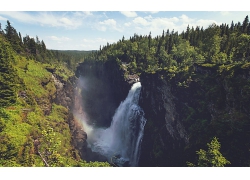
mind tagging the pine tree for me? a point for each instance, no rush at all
(212, 157)
(8, 77)
(245, 25)
(187, 34)
(1, 31)
(232, 26)
(12, 36)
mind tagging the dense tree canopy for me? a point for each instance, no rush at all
(217, 44)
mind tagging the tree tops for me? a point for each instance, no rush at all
(217, 44)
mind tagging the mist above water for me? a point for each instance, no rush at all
(120, 142)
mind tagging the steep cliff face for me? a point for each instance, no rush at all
(65, 96)
(103, 87)
(164, 136)
(185, 111)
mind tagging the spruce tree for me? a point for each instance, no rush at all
(245, 24)
(7, 77)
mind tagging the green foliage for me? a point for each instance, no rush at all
(27, 111)
(50, 143)
(8, 75)
(211, 46)
(212, 157)
(93, 164)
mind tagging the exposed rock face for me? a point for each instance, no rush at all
(184, 112)
(164, 136)
(64, 91)
(65, 97)
(79, 137)
(103, 87)
(131, 79)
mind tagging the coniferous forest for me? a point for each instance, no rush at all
(208, 69)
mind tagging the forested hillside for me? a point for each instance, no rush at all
(195, 87)
(195, 95)
(35, 121)
(174, 51)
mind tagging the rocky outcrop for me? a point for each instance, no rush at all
(164, 136)
(64, 91)
(79, 136)
(184, 112)
(103, 87)
(131, 79)
(65, 96)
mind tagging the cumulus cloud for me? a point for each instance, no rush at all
(108, 24)
(129, 13)
(140, 21)
(155, 25)
(206, 22)
(148, 17)
(185, 19)
(45, 19)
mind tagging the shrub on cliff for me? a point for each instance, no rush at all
(212, 157)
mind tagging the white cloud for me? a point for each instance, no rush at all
(155, 25)
(109, 22)
(101, 28)
(3, 18)
(148, 17)
(127, 24)
(88, 13)
(66, 21)
(206, 22)
(185, 19)
(129, 13)
(162, 22)
(45, 19)
(140, 21)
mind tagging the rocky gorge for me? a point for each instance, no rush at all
(183, 112)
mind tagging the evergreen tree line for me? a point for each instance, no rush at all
(217, 44)
(34, 48)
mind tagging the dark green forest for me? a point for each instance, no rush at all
(208, 72)
(29, 112)
(174, 51)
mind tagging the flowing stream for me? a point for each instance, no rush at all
(120, 143)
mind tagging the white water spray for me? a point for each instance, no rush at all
(120, 143)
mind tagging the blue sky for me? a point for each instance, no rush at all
(87, 30)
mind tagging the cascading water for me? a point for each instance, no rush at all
(120, 143)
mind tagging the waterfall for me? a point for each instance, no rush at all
(120, 143)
